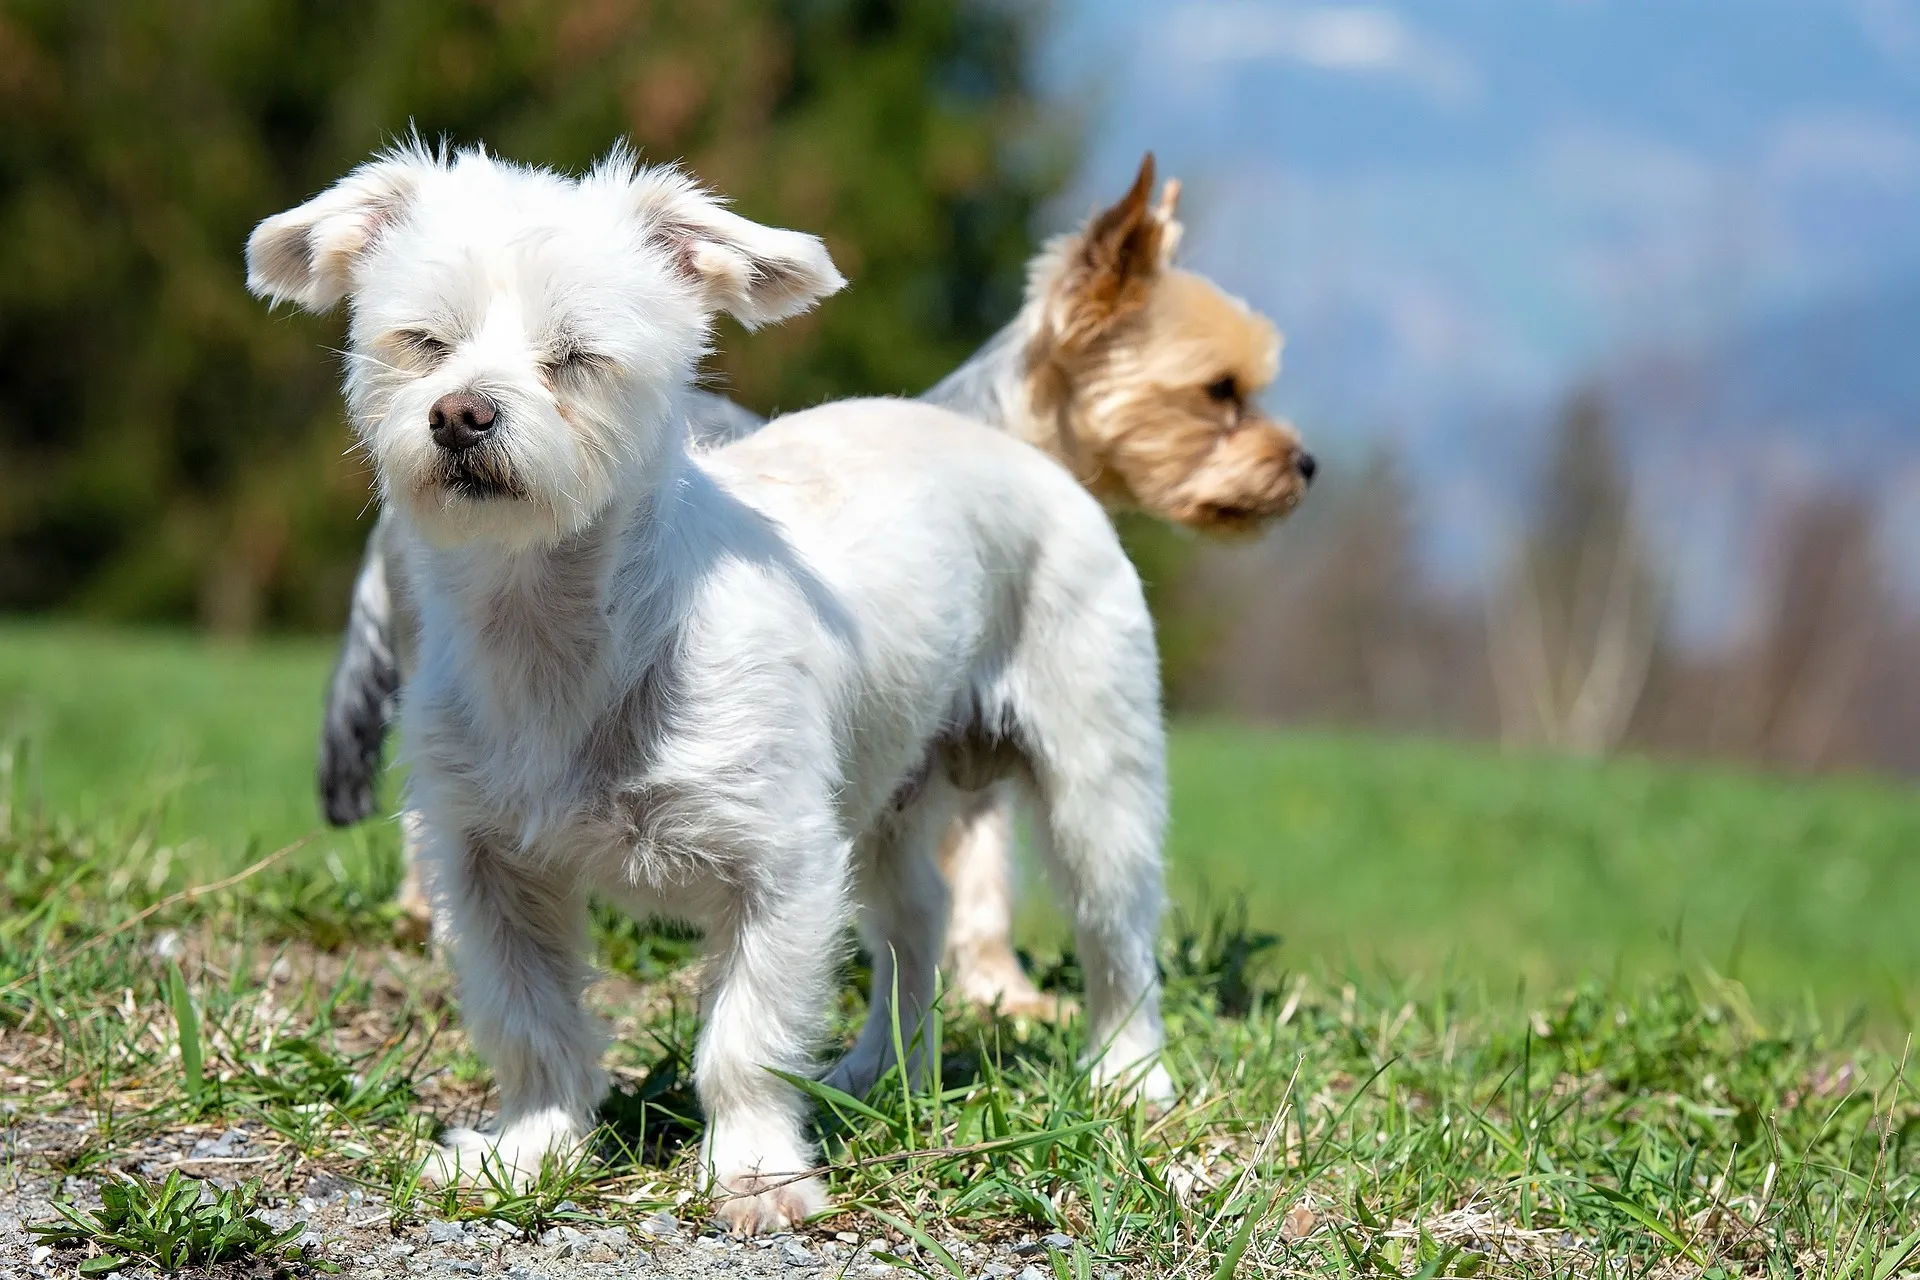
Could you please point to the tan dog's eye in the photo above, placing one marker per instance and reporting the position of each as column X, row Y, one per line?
column 1224, row 389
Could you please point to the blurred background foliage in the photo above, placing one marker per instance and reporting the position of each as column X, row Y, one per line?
column 170, row 454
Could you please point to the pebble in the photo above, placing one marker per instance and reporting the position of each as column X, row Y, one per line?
column 994, row 1270
column 662, row 1224
column 447, row 1232
column 222, row 1147
column 615, row 1238
column 1031, row 1272
column 321, row 1188
column 461, row 1265
column 399, row 1251
column 795, row 1254
column 1057, row 1240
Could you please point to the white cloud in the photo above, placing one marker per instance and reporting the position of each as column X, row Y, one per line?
column 1891, row 26
column 1353, row 39
column 1817, row 147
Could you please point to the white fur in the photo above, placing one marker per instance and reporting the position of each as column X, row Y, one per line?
column 747, row 689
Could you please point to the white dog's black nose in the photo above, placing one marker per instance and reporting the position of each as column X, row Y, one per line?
column 461, row 420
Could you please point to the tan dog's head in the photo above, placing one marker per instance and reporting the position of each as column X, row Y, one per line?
column 1147, row 376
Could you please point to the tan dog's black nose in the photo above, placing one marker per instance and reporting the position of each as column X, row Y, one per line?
column 1308, row 465
column 461, row 420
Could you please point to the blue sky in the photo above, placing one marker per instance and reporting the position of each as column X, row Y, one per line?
column 1458, row 207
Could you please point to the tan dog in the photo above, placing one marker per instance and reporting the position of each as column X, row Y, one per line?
column 1140, row 378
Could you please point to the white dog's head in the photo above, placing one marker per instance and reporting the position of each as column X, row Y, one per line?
column 519, row 337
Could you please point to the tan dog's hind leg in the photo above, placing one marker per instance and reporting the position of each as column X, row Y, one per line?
column 976, row 858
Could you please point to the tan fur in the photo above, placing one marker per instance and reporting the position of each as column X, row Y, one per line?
column 1119, row 367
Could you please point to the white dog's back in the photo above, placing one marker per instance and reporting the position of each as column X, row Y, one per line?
column 971, row 567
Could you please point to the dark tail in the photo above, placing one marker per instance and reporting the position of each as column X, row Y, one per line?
column 362, row 695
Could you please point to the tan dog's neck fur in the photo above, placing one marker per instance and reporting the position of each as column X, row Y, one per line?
column 1140, row 377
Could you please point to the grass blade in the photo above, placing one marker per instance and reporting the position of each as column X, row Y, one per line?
column 187, row 1021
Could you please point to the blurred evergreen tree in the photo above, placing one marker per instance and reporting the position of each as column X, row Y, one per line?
column 170, row 451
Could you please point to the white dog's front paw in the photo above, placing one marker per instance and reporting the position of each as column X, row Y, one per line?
column 511, row 1158
column 751, row 1203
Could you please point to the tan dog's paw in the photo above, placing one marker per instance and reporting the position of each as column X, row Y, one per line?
column 751, row 1203
column 990, row 978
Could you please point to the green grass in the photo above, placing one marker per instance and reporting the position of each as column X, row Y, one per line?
column 1424, row 859
column 172, row 1226
column 1503, row 1033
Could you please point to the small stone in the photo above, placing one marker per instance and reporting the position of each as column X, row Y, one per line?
column 795, row 1254
column 995, row 1270
column 521, row 1271
column 447, row 1232
column 222, row 1147
column 550, row 1237
column 1057, row 1240
column 661, row 1224
column 568, row 1206
column 460, row 1265
column 1031, row 1272
column 310, row 1242
column 597, row 1252
column 41, row 1253
column 615, row 1238
column 399, row 1251
column 322, row 1187
column 846, row 1237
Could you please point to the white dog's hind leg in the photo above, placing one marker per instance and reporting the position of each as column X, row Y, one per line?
column 1101, row 800
column 520, row 945
column 770, row 976
column 903, row 918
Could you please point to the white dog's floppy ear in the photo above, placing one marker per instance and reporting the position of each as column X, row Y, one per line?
column 306, row 255
column 758, row 274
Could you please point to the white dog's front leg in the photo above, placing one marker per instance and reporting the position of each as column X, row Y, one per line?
column 519, row 945
column 770, row 977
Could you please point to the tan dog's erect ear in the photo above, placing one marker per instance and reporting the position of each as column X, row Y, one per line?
column 306, row 255
column 756, row 273
column 1112, row 266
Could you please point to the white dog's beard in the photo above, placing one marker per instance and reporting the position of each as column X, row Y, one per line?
column 481, row 474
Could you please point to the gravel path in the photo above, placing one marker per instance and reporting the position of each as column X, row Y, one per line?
column 351, row 1229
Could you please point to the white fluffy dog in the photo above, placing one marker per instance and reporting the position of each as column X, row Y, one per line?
column 747, row 690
